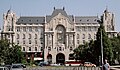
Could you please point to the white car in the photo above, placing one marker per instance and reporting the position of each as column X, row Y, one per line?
column 4, row 68
column 55, row 65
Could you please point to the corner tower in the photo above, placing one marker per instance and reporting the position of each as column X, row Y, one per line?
column 9, row 20
column 108, row 21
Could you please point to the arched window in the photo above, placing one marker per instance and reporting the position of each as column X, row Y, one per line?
column 23, row 48
column 35, row 48
column 29, row 48
column 23, row 36
column 89, row 36
column 29, row 36
column 60, row 30
column 83, row 36
column 35, row 36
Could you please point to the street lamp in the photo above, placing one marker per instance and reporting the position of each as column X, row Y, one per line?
column 100, row 22
column 101, row 50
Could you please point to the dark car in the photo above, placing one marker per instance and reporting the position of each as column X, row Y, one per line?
column 16, row 67
column 23, row 65
column 43, row 63
column 8, row 66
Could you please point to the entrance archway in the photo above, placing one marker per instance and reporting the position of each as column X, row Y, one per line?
column 49, row 57
column 60, row 58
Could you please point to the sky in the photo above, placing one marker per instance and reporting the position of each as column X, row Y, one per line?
column 72, row 7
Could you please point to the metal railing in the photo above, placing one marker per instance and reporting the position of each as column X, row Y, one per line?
column 62, row 68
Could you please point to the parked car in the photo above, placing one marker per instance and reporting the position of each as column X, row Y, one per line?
column 55, row 65
column 89, row 64
column 16, row 67
column 8, row 66
column 42, row 63
column 3, row 68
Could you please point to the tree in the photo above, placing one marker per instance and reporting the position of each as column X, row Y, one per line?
column 10, row 53
column 116, row 48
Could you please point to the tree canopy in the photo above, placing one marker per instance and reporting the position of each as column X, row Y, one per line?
column 10, row 53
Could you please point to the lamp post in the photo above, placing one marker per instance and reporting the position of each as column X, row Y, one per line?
column 101, row 50
column 100, row 22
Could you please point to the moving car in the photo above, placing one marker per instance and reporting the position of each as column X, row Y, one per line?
column 89, row 64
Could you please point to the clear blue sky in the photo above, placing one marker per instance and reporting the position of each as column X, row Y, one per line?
column 72, row 7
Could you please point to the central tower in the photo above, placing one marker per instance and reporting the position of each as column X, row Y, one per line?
column 59, row 36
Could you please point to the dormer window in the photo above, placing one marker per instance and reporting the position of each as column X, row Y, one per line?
column 22, row 20
column 30, row 20
column 80, row 20
column 37, row 20
column 88, row 20
column 95, row 20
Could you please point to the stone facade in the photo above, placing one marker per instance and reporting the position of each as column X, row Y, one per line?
column 56, row 35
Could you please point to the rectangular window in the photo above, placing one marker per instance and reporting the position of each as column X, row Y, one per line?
column 36, row 29
column 29, row 41
column 83, row 41
column 35, row 41
column 24, row 29
column 30, row 29
column 17, row 41
column 17, row 36
column 8, row 35
column 77, row 36
column 23, row 41
column 41, row 48
column 77, row 41
column 18, row 29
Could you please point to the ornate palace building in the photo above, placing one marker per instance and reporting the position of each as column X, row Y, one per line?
column 57, row 35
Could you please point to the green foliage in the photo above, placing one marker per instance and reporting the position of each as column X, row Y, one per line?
column 10, row 53
column 92, row 51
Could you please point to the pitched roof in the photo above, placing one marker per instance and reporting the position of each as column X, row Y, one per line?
column 29, row 19
column 56, row 12
column 86, row 19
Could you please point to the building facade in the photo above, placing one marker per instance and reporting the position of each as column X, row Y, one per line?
column 55, row 36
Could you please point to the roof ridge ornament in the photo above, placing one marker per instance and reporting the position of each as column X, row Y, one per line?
column 63, row 8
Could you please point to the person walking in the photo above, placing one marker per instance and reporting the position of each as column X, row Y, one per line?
column 106, row 65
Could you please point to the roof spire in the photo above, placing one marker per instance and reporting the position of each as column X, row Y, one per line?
column 54, row 8
column 9, row 11
column 106, row 10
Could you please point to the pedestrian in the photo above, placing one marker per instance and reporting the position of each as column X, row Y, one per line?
column 106, row 65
